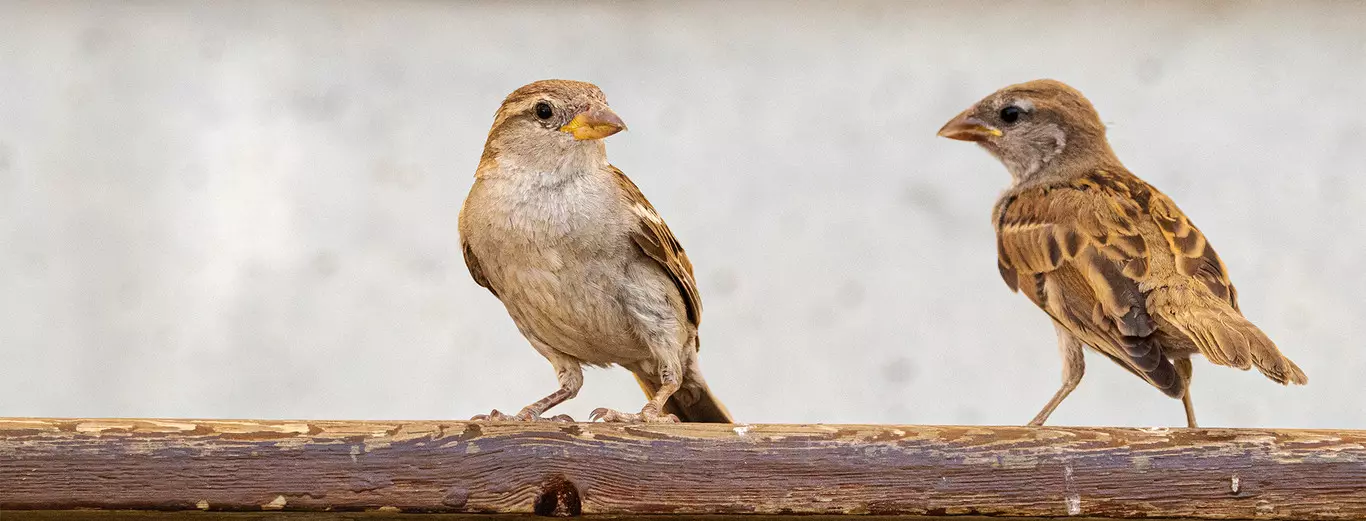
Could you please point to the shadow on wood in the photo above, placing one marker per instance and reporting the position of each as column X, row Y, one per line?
column 368, row 469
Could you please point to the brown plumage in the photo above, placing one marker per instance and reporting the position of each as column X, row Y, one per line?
column 583, row 263
column 1112, row 260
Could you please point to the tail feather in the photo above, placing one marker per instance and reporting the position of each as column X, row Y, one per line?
column 1269, row 359
column 1226, row 338
column 693, row 403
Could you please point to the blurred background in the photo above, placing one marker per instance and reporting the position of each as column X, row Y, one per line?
column 248, row 209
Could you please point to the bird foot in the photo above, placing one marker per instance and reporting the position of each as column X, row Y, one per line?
column 524, row 416
column 645, row 416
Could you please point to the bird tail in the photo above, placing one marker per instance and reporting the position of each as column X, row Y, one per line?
column 692, row 403
column 1225, row 337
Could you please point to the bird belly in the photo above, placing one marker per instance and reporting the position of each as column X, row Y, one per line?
column 575, row 310
column 557, row 256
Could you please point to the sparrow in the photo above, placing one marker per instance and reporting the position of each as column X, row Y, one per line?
column 583, row 263
column 1112, row 260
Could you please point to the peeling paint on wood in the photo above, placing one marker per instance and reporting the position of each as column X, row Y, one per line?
column 753, row 472
column 146, row 515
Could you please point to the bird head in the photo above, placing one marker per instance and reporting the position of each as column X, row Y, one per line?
column 549, row 118
column 1031, row 126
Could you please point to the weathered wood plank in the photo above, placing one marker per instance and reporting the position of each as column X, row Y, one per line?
column 151, row 515
column 758, row 470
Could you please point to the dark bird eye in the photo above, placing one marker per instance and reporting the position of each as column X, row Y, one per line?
column 543, row 110
column 1011, row 114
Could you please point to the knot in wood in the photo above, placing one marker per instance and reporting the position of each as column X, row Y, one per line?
column 559, row 498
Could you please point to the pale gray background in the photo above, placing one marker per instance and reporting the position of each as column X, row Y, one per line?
column 247, row 209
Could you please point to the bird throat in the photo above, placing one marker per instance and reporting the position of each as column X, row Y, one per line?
column 1026, row 156
column 551, row 163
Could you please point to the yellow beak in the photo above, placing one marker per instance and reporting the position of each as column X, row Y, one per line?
column 965, row 127
column 595, row 123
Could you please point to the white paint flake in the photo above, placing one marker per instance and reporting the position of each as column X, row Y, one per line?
column 276, row 504
column 1073, row 499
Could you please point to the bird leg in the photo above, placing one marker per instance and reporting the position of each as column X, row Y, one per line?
column 571, row 380
column 532, row 413
column 651, row 412
column 1183, row 368
column 1073, row 367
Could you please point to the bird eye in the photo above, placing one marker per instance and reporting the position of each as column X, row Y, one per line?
column 1011, row 114
column 543, row 110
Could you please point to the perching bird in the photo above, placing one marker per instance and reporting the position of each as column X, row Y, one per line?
column 584, row 265
column 1112, row 260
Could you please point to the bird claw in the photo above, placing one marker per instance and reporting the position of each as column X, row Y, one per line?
column 495, row 416
column 612, row 416
column 523, row 416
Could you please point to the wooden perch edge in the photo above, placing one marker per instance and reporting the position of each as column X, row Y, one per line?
column 743, row 470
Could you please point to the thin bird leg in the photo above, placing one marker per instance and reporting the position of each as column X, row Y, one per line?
column 1183, row 368
column 651, row 412
column 571, row 380
column 1073, row 367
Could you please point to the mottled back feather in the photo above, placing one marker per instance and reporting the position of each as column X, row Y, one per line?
column 1080, row 244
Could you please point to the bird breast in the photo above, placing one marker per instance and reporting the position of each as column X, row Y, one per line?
column 557, row 253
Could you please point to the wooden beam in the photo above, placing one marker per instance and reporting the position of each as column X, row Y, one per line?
column 745, row 471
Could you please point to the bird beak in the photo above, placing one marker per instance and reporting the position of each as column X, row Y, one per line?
column 965, row 127
column 595, row 123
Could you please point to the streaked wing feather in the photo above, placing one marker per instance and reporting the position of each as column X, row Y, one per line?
column 1084, row 243
column 1194, row 255
column 476, row 270
column 657, row 242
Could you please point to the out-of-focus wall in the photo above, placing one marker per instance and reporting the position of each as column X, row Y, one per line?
column 248, row 209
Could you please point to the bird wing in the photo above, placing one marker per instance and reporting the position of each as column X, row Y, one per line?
column 1078, row 250
column 476, row 271
column 1220, row 333
column 1194, row 255
column 658, row 243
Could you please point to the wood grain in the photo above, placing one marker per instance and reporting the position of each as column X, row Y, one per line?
column 152, row 515
column 751, row 471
